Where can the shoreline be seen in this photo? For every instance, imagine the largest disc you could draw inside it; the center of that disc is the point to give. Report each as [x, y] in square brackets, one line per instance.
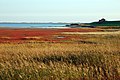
[34, 27]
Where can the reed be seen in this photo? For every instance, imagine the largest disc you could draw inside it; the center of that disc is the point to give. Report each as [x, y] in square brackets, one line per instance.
[95, 58]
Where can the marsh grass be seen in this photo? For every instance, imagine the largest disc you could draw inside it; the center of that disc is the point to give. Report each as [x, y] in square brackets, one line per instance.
[62, 61]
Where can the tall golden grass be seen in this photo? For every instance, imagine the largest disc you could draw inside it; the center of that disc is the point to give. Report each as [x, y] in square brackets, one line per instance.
[95, 58]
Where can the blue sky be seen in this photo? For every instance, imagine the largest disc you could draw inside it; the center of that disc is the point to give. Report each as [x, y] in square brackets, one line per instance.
[59, 10]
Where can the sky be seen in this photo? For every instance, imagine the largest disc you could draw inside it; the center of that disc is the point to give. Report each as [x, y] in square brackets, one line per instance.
[58, 10]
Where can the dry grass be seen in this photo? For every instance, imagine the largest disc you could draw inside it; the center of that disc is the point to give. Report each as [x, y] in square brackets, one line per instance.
[117, 32]
[95, 58]
[31, 38]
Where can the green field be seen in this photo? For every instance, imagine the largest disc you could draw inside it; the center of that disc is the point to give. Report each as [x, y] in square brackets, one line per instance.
[106, 23]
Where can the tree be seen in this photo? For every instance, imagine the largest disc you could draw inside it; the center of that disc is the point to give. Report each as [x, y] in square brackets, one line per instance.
[102, 20]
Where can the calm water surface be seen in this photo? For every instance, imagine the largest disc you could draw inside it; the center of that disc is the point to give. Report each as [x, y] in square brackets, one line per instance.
[33, 25]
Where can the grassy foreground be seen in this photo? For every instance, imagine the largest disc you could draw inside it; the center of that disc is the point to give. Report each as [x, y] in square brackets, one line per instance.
[96, 57]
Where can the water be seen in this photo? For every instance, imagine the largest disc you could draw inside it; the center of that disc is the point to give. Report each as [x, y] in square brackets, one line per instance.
[33, 25]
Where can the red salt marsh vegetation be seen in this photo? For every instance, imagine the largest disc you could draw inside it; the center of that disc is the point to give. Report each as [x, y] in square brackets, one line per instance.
[14, 35]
